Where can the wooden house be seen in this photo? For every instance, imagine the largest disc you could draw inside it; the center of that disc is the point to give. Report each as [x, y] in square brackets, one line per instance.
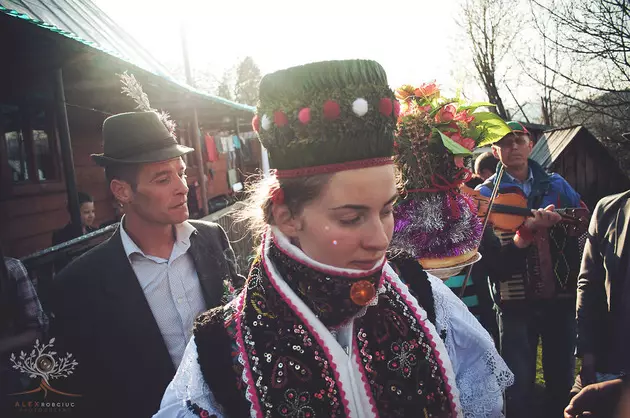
[584, 161]
[59, 80]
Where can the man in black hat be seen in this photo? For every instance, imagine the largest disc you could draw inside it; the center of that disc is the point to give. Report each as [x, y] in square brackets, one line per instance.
[125, 310]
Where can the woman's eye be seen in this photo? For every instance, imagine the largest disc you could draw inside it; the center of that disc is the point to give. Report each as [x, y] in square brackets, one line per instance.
[352, 221]
[162, 180]
[387, 212]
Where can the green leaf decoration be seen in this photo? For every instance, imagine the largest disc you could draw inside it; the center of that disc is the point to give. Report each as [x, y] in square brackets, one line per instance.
[493, 126]
[473, 106]
[453, 147]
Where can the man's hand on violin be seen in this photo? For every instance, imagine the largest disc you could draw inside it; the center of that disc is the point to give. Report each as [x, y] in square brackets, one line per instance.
[540, 219]
[543, 218]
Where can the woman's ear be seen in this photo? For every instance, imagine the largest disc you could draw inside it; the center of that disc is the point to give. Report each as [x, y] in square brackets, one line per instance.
[284, 220]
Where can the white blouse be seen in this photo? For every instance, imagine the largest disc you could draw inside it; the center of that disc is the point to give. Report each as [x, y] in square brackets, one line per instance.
[480, 374]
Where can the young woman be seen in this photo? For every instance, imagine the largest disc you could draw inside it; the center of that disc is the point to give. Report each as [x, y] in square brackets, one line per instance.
[325, 327]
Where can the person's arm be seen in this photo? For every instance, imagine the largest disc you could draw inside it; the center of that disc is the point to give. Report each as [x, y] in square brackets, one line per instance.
[32, 323]
[591, 304]
[542, 219]
[481, 374]
[598, 400]
[188, 387]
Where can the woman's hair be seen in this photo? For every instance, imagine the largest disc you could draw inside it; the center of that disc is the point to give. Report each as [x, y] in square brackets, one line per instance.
[297, 191]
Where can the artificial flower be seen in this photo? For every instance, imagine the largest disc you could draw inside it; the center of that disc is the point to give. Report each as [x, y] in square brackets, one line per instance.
[427, 91]
[446, 114]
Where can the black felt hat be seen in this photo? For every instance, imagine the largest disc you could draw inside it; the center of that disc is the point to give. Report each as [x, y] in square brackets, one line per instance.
[326, 114]
[137, 138]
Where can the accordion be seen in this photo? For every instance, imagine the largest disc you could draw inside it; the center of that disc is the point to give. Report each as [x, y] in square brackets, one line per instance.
[552, 264]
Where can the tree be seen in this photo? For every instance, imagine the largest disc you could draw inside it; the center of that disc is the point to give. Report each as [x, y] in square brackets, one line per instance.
[202, 79]
[490, 29]
[240, 83]
[592, 75]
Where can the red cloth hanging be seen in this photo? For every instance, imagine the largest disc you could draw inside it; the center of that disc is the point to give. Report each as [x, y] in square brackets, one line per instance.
[211, 147]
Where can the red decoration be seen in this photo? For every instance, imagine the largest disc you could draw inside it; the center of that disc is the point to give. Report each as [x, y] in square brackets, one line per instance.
[331, 110]
[396, 108]
[385, 106]
[280, 119]
[256, 123]
[304, 115]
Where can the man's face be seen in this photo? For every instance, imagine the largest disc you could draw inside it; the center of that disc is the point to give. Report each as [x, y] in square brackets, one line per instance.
[161, 193]
[513, 150]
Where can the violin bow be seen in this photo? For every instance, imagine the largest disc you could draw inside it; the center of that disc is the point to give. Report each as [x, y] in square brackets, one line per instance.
[493, 195]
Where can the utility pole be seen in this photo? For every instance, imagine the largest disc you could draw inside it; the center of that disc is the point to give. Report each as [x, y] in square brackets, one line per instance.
[201, 165]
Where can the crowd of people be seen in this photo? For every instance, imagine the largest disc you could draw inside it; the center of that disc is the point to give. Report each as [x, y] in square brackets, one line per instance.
[327, 323]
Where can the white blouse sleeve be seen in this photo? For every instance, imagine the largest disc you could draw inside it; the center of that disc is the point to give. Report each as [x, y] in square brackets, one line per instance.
[481, 374]
[188, 385]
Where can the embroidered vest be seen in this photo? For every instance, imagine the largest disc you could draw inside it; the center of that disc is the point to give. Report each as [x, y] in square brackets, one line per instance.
[285, 369]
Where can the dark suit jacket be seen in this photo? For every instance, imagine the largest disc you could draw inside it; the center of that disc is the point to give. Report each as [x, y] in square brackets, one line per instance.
[62, 235]
[103, 318]
[603, 296]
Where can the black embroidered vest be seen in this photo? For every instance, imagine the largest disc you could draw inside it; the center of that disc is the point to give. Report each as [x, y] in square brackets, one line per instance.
[291, 371]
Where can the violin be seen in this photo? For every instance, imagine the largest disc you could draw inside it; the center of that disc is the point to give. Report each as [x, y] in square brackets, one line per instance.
[509, 210]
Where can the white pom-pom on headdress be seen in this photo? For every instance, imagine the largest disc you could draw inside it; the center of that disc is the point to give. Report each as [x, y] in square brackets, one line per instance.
[266, 122]
[360, 107]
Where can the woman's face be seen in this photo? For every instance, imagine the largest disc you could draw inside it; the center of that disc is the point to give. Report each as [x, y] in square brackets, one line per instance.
[87, 213]
[351, 223]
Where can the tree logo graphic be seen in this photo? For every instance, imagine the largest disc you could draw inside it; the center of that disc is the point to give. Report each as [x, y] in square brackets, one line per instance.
[44, 364]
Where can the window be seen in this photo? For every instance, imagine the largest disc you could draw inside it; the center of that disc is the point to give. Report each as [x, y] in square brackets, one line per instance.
[30, 143]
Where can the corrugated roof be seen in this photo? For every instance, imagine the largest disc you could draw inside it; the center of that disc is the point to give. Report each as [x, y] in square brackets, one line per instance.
[84, 22]
[551, 145]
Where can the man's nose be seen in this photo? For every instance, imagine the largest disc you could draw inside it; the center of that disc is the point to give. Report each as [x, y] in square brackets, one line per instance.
[182, 186]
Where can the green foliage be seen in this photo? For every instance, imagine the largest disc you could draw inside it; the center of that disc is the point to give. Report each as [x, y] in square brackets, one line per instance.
[494, 128]
[452, 146]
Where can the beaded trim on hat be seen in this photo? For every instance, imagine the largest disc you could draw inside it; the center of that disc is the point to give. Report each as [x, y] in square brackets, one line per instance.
[333, 168]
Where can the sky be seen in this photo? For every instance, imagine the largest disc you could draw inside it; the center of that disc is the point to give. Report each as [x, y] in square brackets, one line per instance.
[416, 41]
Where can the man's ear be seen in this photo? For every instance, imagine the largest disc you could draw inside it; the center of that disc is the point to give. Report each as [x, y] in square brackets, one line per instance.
[121, 191]
[284, 220]
[495, 152]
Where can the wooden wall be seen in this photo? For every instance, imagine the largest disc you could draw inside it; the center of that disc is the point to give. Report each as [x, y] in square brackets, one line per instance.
[28, 220]
[593, 173]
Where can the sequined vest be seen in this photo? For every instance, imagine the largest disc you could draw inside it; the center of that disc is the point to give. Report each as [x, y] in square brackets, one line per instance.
[285, 370]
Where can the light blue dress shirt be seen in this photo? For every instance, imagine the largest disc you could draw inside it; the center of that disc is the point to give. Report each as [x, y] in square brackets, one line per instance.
[171, 287]
[525, 186]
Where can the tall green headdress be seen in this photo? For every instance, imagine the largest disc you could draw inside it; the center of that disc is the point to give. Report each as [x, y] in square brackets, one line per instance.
[326, 117]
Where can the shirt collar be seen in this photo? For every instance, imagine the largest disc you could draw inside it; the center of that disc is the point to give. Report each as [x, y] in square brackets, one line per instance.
[530, 177]
[183, 231]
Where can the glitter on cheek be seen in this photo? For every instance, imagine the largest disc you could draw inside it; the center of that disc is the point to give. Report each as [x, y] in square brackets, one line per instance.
[334, 242]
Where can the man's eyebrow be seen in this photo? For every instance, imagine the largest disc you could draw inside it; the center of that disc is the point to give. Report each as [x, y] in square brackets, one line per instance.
[160, 173]
[363, 207]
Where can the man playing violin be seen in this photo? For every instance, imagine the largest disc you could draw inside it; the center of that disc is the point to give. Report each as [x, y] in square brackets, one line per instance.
[535, 291]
